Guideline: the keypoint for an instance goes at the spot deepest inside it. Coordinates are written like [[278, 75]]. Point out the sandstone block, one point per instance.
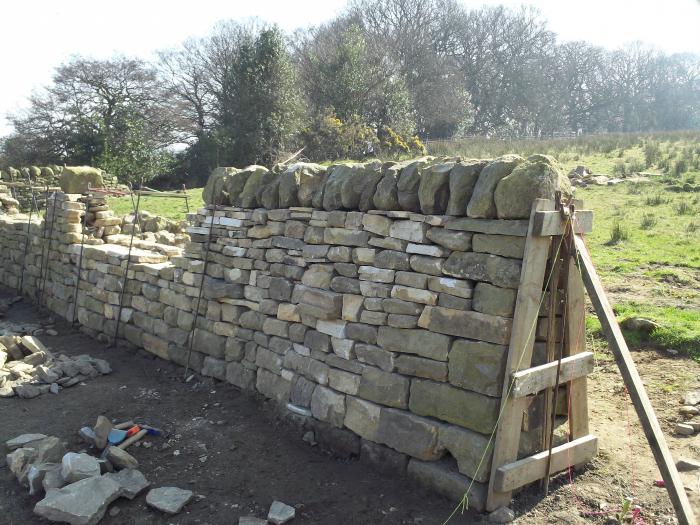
[[362, 417], [420, 367], [343, 381], [411, 231], [272, 386], [409, 434], [460, 407], [328, 405], [450, 239], [384, 388], [374, 355], [419, 342], [345, 237], [377, 275], [478, 366], [414, 295], [493, 300], [470, 325], [376, 224], [497, 270]]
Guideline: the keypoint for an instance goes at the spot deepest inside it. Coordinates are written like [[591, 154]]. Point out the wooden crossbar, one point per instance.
[[520, 473], [536, 379], [550, 223]]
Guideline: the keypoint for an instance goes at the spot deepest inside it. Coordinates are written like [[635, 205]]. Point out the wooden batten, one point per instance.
[[550, 223], [520, 473], [536, 379]]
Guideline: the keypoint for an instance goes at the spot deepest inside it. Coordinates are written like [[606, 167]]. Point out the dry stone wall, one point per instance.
[[387, 331]]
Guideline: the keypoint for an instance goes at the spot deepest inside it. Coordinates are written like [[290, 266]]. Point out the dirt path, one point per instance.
[[231, 450], [625, 465]]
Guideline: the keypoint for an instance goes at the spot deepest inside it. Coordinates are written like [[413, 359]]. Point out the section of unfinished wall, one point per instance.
[[389, 328]]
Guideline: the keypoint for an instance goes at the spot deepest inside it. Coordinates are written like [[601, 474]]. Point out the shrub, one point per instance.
[[619, 167], [648, 221], [329, 138], [393, 144], [635, 165], [655, 200], [618, 233], [652, 152], [680, 167], [684, 208], [635, 188]]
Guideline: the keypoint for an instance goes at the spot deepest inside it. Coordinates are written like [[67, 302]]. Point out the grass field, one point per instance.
[[646, 237]]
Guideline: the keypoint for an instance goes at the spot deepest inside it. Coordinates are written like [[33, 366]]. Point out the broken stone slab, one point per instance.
[[37, 473], [23, 440], [81, 503], [502, 515], [101, 366], [280, 513], [29, 391], [101, 429], [19, 462], [168, 499], [46, 450], [33, 345], [684, 429], [251, 520], [691, 398], [121, 459], [131, 481], [75, 466], [53, 479]]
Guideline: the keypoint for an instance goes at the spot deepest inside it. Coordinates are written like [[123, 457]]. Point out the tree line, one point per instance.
[[379, 79]]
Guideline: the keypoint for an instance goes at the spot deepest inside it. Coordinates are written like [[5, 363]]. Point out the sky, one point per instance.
[[37, 35]]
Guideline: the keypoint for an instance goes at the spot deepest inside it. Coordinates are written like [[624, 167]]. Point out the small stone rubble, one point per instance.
[[28, 369], [690, 412]]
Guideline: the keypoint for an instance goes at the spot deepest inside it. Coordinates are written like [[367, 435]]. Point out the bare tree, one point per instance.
[[187, 80]]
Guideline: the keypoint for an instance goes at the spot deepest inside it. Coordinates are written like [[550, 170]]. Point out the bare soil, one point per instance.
[[232, 450]]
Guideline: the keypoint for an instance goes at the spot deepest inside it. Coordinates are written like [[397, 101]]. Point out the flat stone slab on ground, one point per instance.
[[23, 440], [280, 513], [168, 499], [131, 481], [251, 520], [121, 459], [81, 503]]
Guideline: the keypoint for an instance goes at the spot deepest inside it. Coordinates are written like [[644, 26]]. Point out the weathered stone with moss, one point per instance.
[[481, 205], [76, 179], [463, 178], [540, 176]]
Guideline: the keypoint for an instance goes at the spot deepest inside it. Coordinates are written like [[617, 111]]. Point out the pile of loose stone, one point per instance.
[[156, 229], [28, 369], [100, 219], [80, 487], [690, 411], [8, 204], [582, 177]]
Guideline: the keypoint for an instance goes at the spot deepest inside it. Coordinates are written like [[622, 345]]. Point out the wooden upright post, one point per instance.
[[527, 307]]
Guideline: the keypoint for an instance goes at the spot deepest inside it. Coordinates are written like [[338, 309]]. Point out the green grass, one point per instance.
[[679, 329], [172, 208]]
